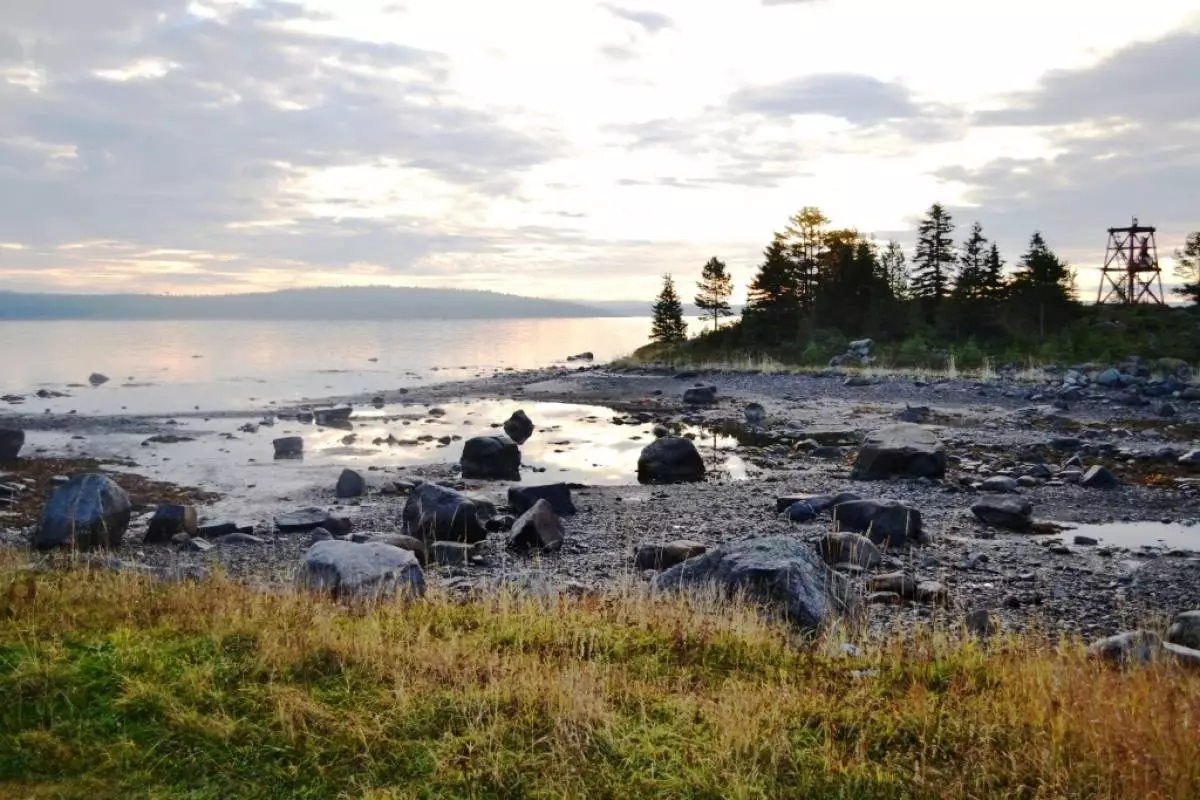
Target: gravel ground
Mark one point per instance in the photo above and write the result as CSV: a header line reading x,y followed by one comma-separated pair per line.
x,y
998,427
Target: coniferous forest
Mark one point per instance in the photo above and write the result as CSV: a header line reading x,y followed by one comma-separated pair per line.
x,y
954,296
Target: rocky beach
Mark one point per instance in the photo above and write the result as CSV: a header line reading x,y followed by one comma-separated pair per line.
x,y
1056,500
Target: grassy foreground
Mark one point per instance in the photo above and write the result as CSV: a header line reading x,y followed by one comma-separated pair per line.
x,y
113,687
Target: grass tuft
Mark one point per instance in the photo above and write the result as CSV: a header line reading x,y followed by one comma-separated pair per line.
x,y
113,686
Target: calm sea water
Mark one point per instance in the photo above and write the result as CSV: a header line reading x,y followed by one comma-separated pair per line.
x,y
164,367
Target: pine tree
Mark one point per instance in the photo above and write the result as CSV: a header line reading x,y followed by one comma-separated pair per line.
x,y
807,241
668,326
894,266
715,289
1044,284
933,264
993,275
774,295
1187,267
972,268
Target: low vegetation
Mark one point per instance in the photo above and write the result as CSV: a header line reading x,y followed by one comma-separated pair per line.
x,y
116,687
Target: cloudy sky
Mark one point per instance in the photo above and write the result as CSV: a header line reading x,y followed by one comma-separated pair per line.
x,y
570,148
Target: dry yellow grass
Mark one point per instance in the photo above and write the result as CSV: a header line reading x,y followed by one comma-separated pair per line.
x,y
116,687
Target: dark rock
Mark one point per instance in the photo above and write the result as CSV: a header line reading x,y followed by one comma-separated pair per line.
x,y
289,446
88,511
586,356
897,583
451,554
665,556
915,414
409,543
1013,513
1099,477
519,427
11,442
885,522
537,527
932,592
1185,630
332,417
304,520
700,396
522,498
981,623
501,523
239,539
849,548
365,571
318,535
169,520
801,511
884,599
756,415
96,378
1086,541
903,450
437,513
350,484
999,484
778,570
818,502
491,458
1166,410
671,459
1109,378
215,529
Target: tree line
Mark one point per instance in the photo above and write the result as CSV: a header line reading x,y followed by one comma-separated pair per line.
x,y
817,278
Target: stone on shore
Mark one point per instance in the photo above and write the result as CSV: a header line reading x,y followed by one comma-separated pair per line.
x,y
363,571
438,513
1185,630
289,446
409,543
11,442
1131,647
350,484
779,571
884,522
818,502
1003,511
903,450
522,498
671,459
700,396
849,548
491,458
88,511
303,521
1099,477
170,520
665,556
537,527
519,427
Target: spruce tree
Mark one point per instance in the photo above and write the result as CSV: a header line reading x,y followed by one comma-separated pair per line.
x,y
972,267
894,267
774,294
715,289
668,326
1187,267
993,275
1044,285
807,243
933,264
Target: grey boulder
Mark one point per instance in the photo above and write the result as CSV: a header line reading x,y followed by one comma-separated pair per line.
x,y
350,484
849,548
1002,511
437,513
1185,630
289,446
904,450
88,511
537,527
363,571
700,396
780,572
1099,477
884,522
671,459
491,458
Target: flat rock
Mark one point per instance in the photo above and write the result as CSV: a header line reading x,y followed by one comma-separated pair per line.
x,y
303,520
558,495
169,520
665,556
849,548
779,571
365,571
903,450
897,583
1131,647
1003,511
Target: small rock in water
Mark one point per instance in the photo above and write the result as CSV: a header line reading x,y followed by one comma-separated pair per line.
x,y
671,459
491,458
96,378
1086,541
289,447
519,427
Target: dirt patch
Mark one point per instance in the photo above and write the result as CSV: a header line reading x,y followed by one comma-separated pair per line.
x,y
36,474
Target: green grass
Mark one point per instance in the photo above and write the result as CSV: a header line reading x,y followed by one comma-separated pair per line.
x,y
111,686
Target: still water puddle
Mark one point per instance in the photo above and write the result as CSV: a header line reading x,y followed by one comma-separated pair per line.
x,y
574,443
1134,535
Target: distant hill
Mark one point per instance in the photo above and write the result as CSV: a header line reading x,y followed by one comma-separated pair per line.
x,y
373,303
635,308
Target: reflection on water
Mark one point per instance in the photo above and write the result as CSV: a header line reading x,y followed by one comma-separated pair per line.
x,y
1133,535
171,367
574,443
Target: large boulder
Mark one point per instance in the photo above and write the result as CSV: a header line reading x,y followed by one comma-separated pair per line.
x,y
537,527
491,458
365,571
558,495
351,484
884,522
849,548
170,520
665,556
437,513
671,459
11,442
904,450
1185,630
519,427
88,511
1002,511
779,571
700,396
1131,647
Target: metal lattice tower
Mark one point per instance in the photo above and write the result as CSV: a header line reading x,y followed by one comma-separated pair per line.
x,y
1131,273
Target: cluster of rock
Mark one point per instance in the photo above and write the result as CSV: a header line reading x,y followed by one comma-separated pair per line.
x,y
1181,644
858,353
1136,382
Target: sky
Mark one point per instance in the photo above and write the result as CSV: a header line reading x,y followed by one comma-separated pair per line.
x,y
569,148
